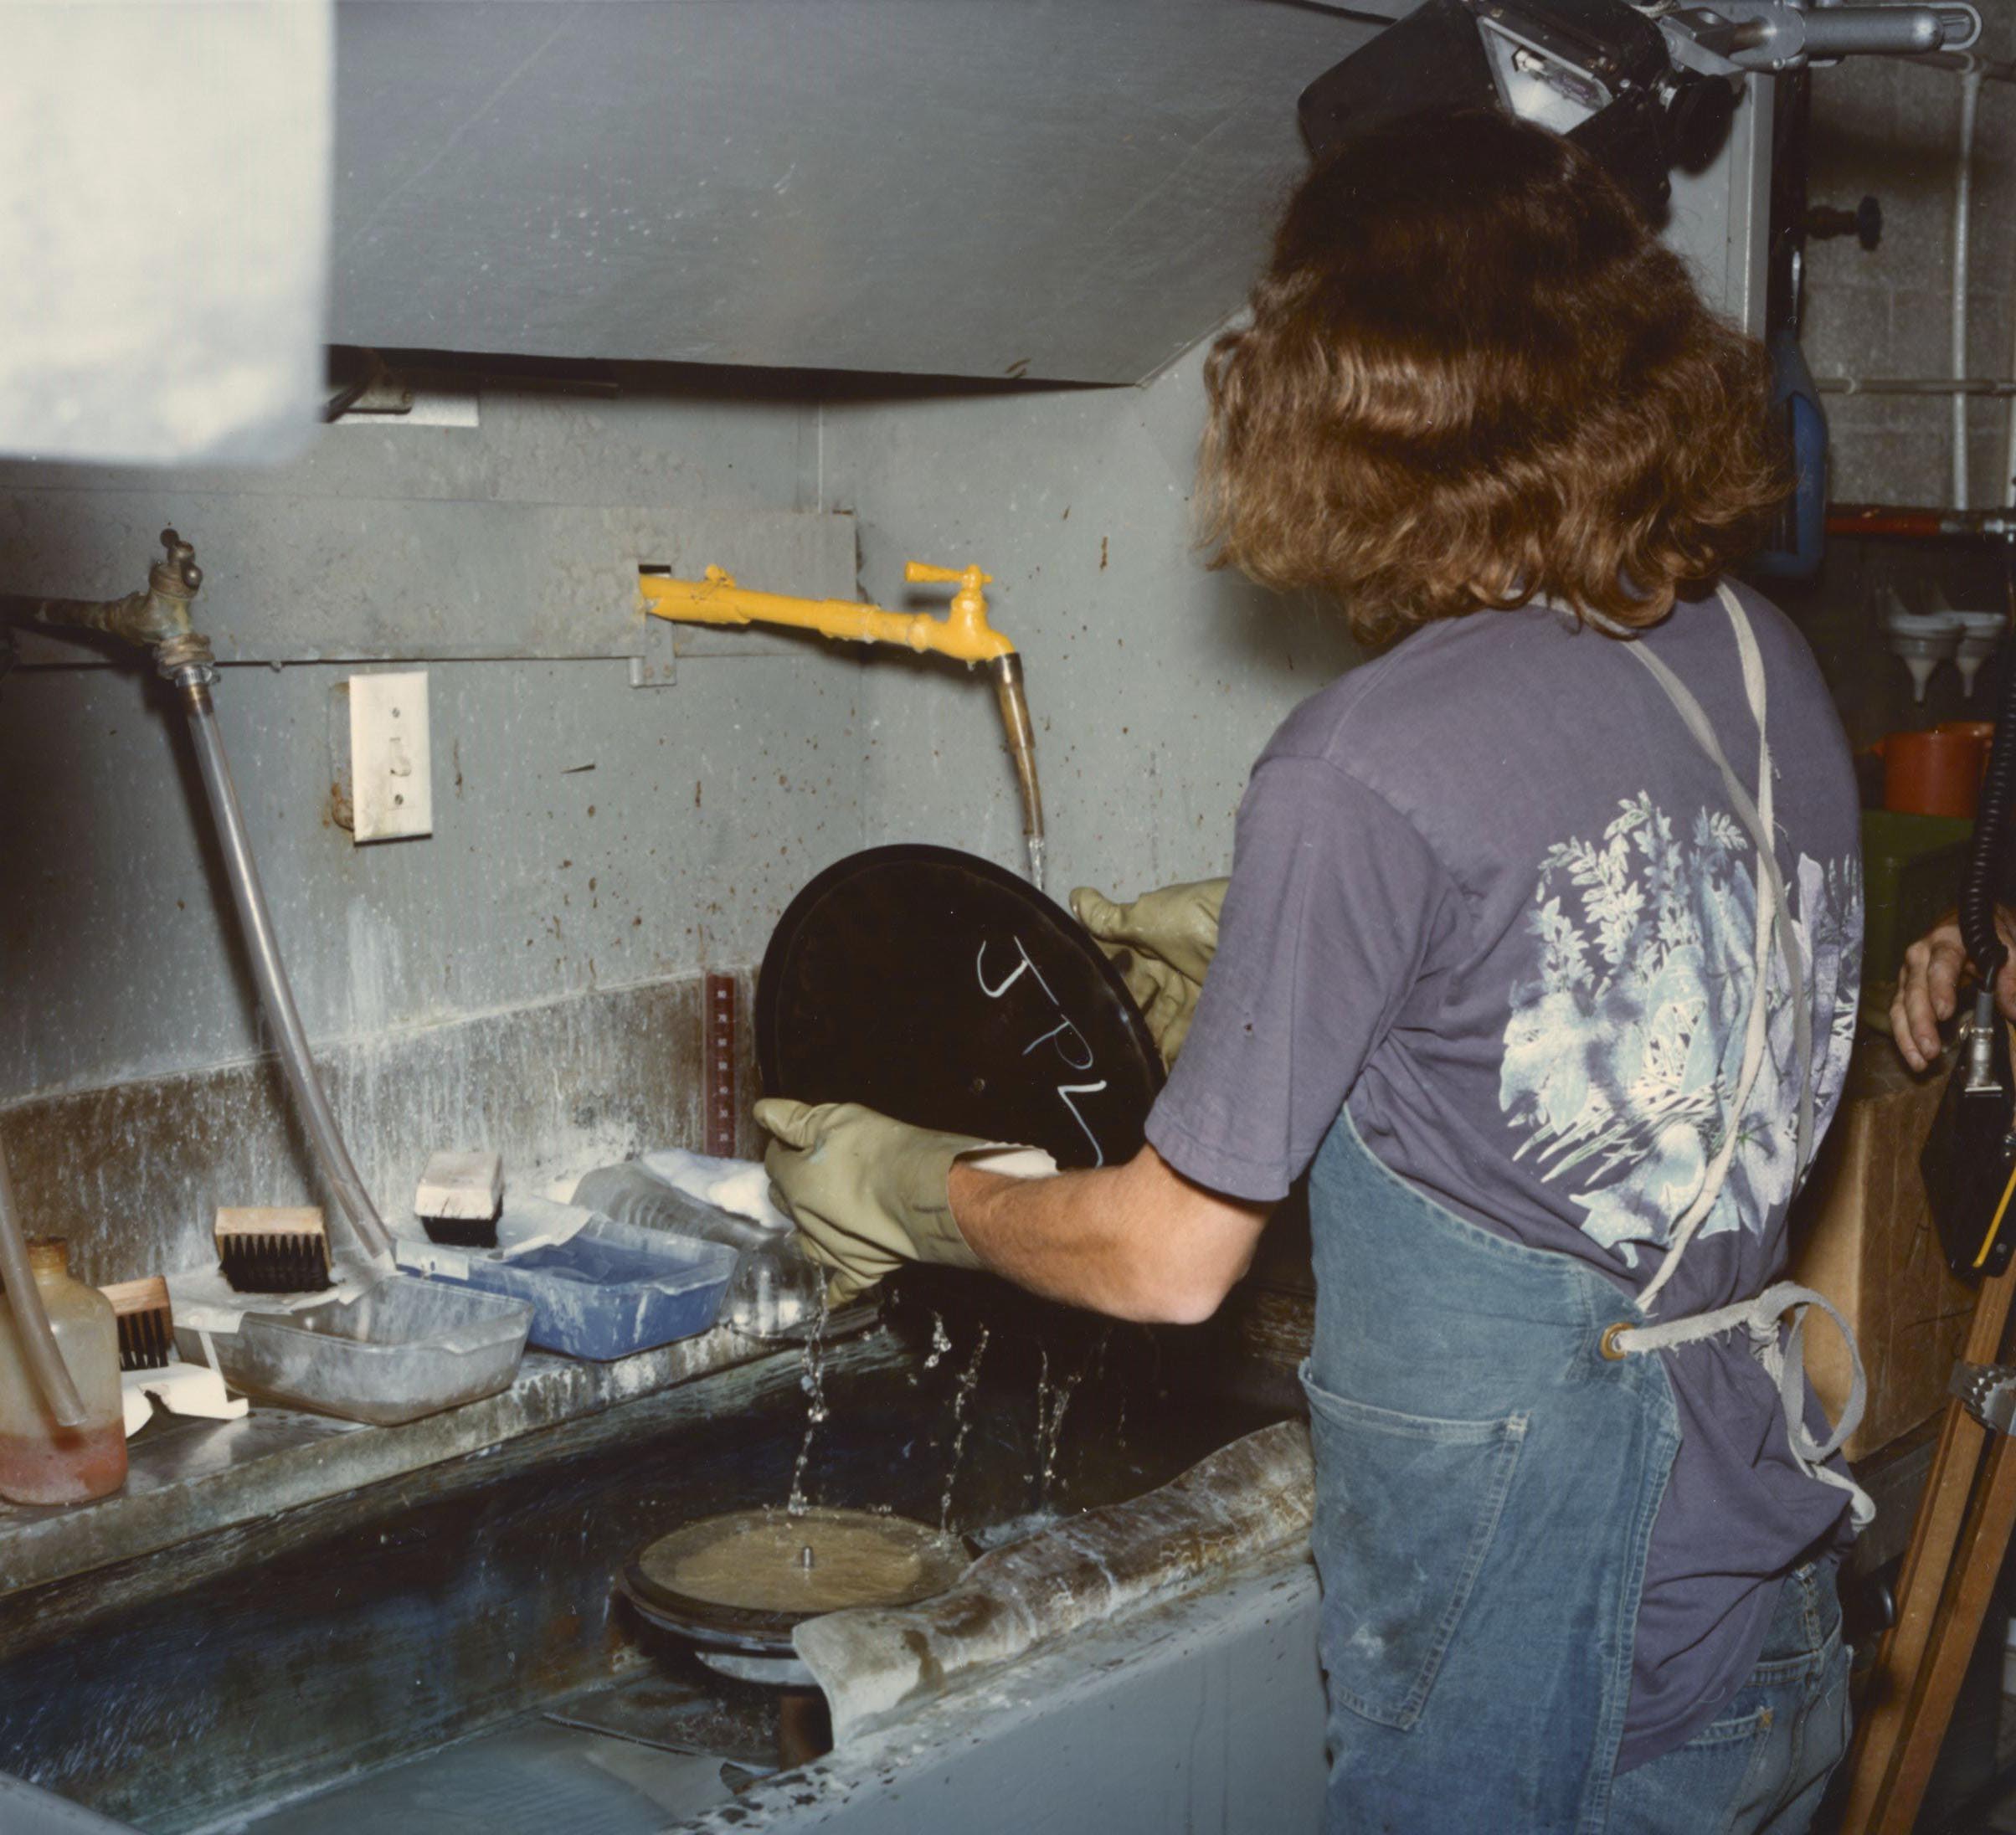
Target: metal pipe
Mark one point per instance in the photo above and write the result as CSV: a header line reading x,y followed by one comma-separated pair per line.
x,y
1963,203
1878,31
2008,451
963,633
275,996
1916,523
157,616
1013,698
1991,70
31,1321
1916,385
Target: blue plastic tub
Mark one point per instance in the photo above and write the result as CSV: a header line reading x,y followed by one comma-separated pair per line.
x,y
608,1291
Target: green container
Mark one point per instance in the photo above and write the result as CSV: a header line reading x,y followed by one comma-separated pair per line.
x,y
1911,868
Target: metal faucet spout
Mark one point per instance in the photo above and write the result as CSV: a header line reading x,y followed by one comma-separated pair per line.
x,y
1014,699
156,619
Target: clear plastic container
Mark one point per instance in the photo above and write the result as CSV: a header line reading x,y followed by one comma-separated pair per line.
x,y
609,1290
40,1461
403,1348
628,1194
775,1292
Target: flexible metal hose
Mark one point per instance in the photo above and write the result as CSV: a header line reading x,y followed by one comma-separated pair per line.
x,y
275,996
38,1341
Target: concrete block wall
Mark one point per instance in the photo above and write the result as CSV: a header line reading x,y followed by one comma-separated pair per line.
x,y
527,975
1890,129
586,834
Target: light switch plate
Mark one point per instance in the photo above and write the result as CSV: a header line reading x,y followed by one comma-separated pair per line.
x,y
391,778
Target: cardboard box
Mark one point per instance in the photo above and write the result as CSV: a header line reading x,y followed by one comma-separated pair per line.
x,y
1863,1236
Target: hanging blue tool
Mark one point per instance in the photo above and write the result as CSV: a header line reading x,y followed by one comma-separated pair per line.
x,y
1798,536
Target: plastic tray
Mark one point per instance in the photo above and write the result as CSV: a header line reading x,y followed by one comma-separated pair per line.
x,y
609,1290
401,1349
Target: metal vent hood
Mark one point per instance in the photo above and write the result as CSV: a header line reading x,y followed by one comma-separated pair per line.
x,y
1067,189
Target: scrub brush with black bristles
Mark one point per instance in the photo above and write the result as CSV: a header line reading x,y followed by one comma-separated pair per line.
x,y
274,1250
459,1197
146,1324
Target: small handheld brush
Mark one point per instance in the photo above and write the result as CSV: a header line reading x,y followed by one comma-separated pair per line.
x,y
146,1323
273,1249
459,1197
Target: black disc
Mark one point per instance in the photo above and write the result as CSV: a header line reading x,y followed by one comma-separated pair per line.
x,y
941,990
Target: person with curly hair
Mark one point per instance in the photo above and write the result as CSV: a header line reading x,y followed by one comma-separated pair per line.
x,y
1540,958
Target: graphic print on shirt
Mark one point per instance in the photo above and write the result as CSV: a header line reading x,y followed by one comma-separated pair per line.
x,y
1623,1052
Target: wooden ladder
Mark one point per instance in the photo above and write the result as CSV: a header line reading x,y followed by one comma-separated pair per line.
x,y
1958,1539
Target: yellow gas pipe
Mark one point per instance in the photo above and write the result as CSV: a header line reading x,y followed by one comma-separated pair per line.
x,y
963,633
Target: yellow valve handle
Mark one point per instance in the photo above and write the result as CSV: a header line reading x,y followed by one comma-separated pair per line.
x,y
963,633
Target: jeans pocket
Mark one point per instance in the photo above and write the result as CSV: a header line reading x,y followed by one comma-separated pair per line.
x,y
1406,1510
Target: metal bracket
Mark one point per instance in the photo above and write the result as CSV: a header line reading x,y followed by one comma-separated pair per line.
x,y
1989,1390
655,671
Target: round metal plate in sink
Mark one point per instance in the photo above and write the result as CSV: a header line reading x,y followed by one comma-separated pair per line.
x,y
941,990
741,1582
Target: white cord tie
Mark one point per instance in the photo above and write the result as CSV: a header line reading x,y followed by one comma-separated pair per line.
x,y
1783,1356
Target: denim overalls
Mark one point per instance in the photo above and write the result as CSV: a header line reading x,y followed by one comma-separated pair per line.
x,y
1493,1443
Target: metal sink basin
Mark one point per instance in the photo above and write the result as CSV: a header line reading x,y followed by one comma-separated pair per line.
x,y
476,1597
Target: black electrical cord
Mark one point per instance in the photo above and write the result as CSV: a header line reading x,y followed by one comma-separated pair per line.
x,y
1983,879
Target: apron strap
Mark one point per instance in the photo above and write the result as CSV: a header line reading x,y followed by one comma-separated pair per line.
x,y
1781,1353
1783,1357
1774,921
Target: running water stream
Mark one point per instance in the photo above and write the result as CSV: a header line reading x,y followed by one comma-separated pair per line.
x,y
812,1381
1051,1404
961,1425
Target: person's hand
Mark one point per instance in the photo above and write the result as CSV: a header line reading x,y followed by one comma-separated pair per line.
x,y
1162,943
868,1194
1928,988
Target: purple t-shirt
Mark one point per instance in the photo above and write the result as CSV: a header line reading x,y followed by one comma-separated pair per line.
x,y
1488,890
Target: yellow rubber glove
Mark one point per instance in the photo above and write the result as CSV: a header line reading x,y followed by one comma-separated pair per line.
x,y
1162,943
869,1193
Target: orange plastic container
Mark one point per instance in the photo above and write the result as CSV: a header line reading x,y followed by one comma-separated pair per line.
x,y
1937,773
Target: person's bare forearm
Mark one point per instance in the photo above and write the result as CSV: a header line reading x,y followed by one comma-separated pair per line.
x,y
1137,1241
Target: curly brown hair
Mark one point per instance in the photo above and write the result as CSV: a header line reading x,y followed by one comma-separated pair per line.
x,y
1474,377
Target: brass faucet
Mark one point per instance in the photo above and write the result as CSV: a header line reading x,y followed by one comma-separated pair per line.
x,y
156,619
